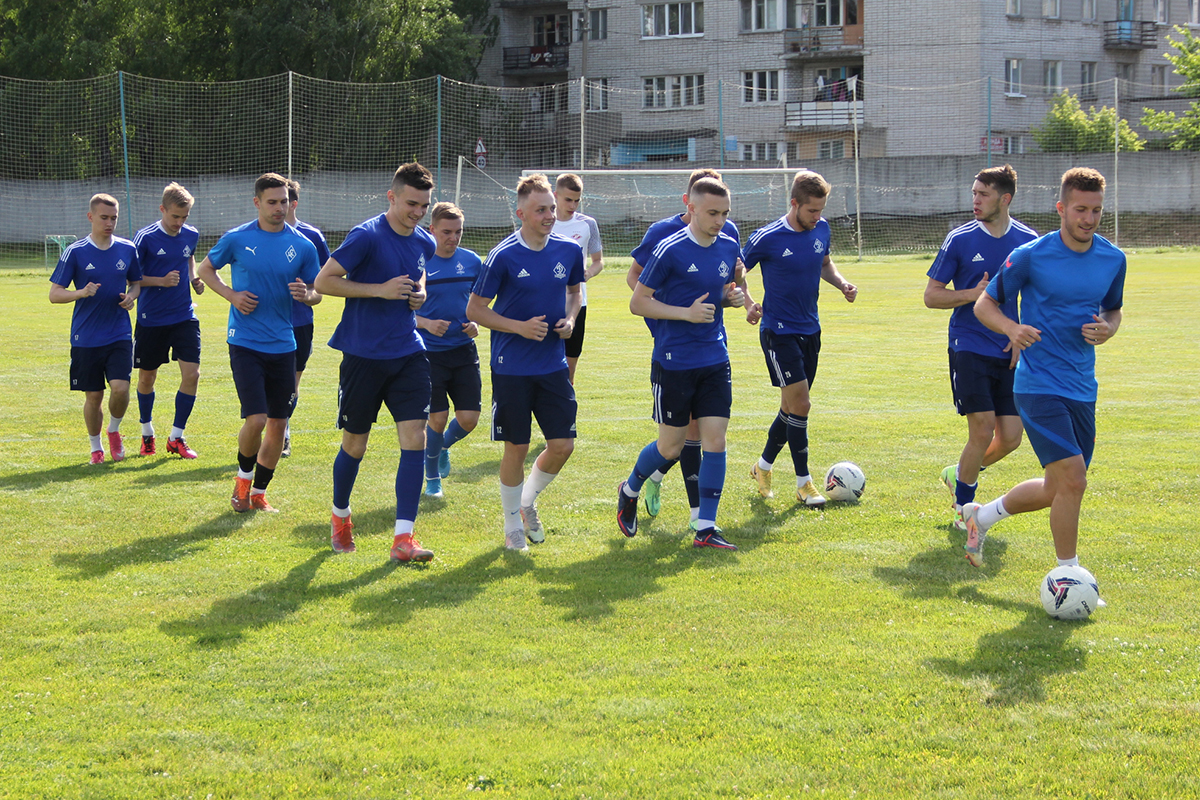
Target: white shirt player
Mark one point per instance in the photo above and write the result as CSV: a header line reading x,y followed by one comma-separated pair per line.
x,y
584,231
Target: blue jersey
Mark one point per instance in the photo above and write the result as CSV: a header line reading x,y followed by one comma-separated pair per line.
x,y
968,252
791,274
530,283
159,253
681,270
98,320
264,263
302,313
448,283
373,327
1060,290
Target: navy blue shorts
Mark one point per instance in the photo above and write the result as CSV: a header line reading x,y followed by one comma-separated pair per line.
x,y
791,357
364,384
681,395
92,367
265,382
155,345
550,398
982,383
454,376
304,345
575,343
1058,427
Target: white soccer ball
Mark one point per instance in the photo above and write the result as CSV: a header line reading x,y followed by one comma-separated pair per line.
x,y
1070,593
845,481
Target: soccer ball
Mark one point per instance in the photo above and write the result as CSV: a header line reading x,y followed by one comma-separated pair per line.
x,y
1070,593
845,481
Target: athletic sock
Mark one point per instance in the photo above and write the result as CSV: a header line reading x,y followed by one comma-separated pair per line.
x,y
797,439
510,502
183,409
246,464
777,437
763,466
1073,561
964,492
712,481
690,462
147,429
114,424
433,451
404,526
662,471
345,473
146,411
649,461
535,484
176,433
95,440
408,483
262,478
454,432
992,513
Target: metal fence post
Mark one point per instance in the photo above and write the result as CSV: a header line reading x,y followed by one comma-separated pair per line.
x,y
125,151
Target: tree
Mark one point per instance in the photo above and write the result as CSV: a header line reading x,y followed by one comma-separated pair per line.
x,y
1183,131
1067,128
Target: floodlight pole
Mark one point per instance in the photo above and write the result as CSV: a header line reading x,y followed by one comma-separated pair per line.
x,y
289,124
853,80
439,141
583,71
125,151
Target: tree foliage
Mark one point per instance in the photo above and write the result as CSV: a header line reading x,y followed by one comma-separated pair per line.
x,y
221,40
1183,130
1067,128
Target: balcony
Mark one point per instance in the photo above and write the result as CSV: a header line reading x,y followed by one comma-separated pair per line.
x,y
1130,34
813,43
550,58
823,114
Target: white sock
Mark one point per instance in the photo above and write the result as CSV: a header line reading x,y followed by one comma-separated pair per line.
x,y
535,484
114,424
510,501
255,490
404,526
703,524
95,440
1073,561
176,433
695,514
147,429
246,476
992,513
341,512
764,465
657,477
625,490
802,479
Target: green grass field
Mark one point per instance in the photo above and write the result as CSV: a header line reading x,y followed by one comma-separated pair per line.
x,y
157,645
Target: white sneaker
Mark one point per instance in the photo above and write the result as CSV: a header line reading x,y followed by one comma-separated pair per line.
x,y
516,541
533,524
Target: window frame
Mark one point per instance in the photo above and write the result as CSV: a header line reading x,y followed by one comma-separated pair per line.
x,y
1052,81
656,19
1012,77
770,95
672,92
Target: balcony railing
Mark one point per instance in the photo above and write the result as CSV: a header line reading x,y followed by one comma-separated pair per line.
x,y
817,42
550,58
823,114
1130,34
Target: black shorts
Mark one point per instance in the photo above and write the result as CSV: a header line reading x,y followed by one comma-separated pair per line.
x,y
304,346
982,383
155,345
550,398
575,343
454,376
92,367
265,382
365,384
791,357
681,395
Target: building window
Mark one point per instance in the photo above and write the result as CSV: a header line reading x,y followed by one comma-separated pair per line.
x,y
597,94
673,19
1087,80
596,28
673,91
1013,145
549,97
1089,9
831,148
1193,17
760,15
1160,12
1013,8
760,151
1052,9
827,13
1012,76
1158,79
551,29
1052,76
1125,72
761,86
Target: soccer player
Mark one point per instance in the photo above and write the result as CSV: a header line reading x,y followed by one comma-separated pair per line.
x,y
107,278
380,269
533,276
1071,286
981,361
450,341
271,264
583,230
794,254
167,327
302,310
682,288
689,458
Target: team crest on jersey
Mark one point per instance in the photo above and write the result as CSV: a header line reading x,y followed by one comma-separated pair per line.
x,y
121,265
459,268
291,253
421,262
723,270
187,251
818,246
560,271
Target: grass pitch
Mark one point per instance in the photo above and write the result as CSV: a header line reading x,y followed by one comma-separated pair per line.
x,y
155,644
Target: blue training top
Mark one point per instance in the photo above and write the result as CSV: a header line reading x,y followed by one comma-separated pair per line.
x,y
302,313
680,271
159,253
264,263
967,253
98,320
529,283
1060,290
448,283
791,273
374,327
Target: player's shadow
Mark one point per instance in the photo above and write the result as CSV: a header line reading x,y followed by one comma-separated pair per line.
x,y
1016,663
454,587
227,621
67,474
151,550
372,529
769,516
935,572
472,473
195,475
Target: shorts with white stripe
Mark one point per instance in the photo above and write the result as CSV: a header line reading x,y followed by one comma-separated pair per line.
x,y
791,357
681,395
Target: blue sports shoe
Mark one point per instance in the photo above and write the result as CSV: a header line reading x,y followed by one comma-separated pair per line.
x,y
433,487
444,463
626,511
710,538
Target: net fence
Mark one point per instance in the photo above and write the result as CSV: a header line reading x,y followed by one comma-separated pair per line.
x,y
900,158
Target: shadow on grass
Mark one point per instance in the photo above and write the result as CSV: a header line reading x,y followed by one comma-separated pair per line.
x,y
195,475
226,623
371,529
936,572
1016,663
152,550
73,472
474,473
